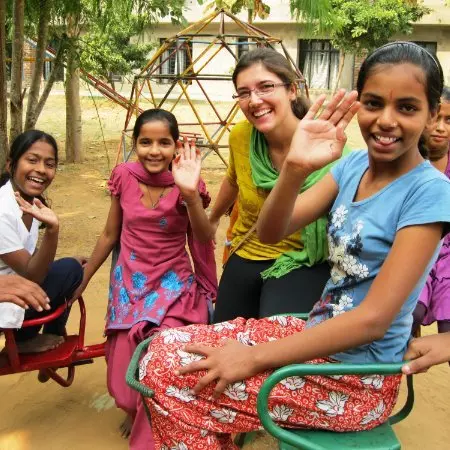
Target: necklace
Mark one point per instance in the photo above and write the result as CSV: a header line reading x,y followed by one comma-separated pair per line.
x,y
155,204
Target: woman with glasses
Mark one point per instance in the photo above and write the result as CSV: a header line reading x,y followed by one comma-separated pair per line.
x,y
260,280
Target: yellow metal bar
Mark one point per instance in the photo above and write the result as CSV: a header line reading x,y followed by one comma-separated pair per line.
x,y
205,131
204,21
176,102
213,55
190,68
151,92
231,116
156,56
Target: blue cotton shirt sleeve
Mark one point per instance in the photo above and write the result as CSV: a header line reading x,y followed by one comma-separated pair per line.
x,y
338,170
429,203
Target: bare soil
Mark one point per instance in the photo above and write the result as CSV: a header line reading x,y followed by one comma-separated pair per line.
x,y
36,416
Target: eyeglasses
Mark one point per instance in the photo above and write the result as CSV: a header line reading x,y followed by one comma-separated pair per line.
x,y
260,91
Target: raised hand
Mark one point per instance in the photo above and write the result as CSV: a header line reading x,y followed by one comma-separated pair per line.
x,y
186,168
39,211
320,141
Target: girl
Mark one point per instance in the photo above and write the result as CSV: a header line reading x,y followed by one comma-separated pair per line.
x,y
153,286
381,202
30,169
434,300
262,279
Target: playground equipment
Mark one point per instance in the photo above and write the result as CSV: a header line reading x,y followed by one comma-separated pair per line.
x,y
181,70
71,353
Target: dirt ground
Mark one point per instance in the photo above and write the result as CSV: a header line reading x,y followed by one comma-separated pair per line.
x,y
35,416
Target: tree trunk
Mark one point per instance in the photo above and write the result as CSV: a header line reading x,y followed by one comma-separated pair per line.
x,y
341,67
3,88
57,64
33,96
16,102
73,107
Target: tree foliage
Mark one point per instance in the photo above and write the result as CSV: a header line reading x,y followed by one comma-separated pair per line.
x,y
357,26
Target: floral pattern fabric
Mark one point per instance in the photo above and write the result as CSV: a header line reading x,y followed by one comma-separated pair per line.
x,y
183,420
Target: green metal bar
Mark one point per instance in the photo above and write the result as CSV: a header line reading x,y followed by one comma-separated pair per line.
x,y
302,370
407,408
133,370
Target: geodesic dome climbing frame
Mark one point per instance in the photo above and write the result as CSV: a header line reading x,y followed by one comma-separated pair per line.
x,y
179,73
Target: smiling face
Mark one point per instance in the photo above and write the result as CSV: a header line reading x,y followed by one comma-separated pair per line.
x,y
35,170
437,134
394,111
155,146
270,111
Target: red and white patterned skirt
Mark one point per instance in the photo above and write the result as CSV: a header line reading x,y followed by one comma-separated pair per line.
x,y
184,421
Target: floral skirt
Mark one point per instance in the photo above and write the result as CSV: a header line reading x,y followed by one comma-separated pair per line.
x,y
184,421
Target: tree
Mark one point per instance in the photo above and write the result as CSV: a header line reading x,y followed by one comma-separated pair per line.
x,y
3,98
359,26
42,42
16,96
307,11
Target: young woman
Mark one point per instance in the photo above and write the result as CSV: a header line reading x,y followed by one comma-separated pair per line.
x,y
381,203
30,169
157,205
262,279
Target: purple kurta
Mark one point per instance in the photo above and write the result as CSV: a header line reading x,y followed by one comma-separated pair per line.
x,y
436,293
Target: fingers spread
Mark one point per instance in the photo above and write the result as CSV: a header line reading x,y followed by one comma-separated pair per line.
x,y
199,349
330,109
204,381
341,109
38,203
315,107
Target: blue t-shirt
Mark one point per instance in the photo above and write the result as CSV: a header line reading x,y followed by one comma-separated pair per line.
x,y
360,236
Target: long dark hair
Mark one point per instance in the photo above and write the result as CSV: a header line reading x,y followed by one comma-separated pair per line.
x,y
401,52
277,64
20,145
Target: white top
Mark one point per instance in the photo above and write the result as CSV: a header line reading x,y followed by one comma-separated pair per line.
x,y
13,236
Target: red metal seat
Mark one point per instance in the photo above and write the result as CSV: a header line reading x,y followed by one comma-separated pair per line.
x,y
70,353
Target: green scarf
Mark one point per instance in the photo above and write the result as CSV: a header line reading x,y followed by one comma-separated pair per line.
x,y
313,236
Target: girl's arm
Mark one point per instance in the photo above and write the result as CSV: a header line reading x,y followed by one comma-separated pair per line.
x,y
35,267
186,169
366,323
315,144
104,245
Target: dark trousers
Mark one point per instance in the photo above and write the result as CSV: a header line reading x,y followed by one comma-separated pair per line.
x,y
243,293
63,277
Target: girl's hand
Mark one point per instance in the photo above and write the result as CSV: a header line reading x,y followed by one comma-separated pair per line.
x,y
425,352
83,260
39,211
320,141
227,364
23,292
81,288
186,168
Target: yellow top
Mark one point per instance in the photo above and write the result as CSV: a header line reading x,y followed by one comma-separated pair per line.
x,y
250,201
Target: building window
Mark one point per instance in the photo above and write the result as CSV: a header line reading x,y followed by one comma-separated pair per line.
x,y
430,46
319,62
175,62
243,46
